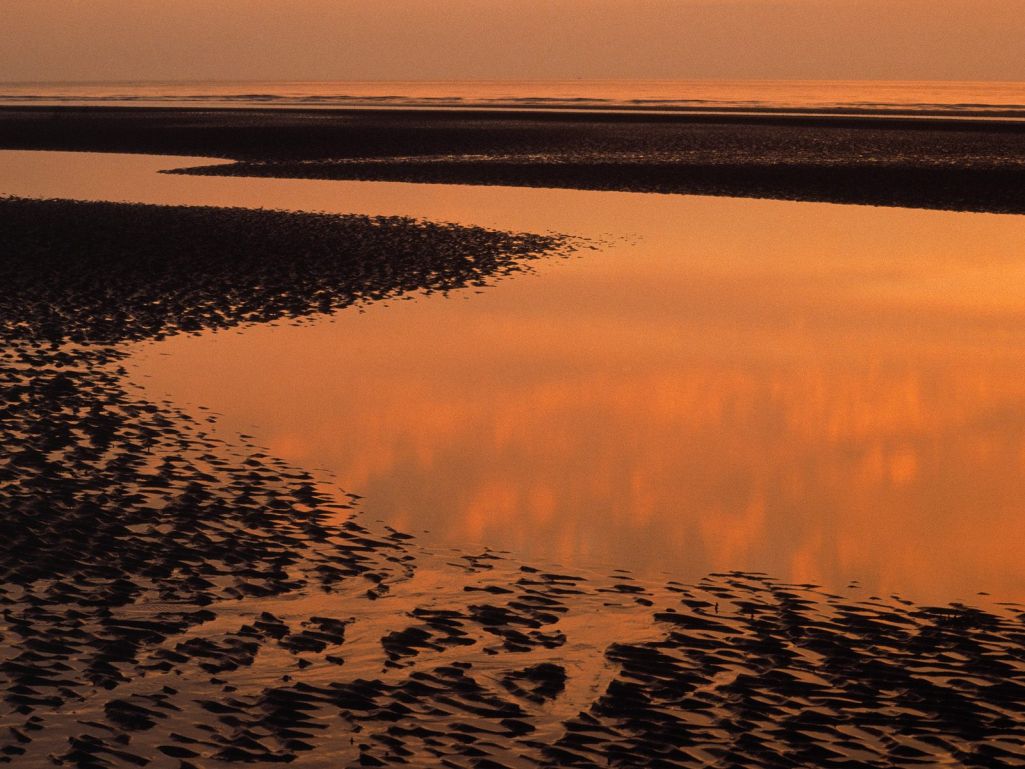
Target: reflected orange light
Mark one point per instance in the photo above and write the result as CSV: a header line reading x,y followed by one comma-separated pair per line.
x,y
823,393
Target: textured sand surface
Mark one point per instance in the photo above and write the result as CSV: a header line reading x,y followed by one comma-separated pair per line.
x,y
946,164
170,599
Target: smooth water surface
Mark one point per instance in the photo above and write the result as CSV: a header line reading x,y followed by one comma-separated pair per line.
x,y
825,393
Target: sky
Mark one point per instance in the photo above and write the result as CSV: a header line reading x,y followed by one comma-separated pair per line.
x,y
510,39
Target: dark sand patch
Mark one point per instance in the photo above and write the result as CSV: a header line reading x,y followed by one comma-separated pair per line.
x,y
945,164
108,272
172,600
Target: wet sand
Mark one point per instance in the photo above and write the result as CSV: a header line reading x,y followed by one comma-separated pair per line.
x,y
172,600
951,164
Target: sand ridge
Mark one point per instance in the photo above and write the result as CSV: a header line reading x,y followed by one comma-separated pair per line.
x,y
958,165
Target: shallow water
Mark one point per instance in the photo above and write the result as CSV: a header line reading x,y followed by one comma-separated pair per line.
x,y
824,393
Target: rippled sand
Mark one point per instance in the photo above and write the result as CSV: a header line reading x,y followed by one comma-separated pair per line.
x,y
169,599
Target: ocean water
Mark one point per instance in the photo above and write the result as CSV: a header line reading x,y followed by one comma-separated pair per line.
x,y
1005,100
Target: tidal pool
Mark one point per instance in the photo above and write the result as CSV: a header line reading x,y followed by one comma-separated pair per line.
x,y
824,393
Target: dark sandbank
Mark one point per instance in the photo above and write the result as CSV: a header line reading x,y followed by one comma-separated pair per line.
x,y
966,165
172,600
108,272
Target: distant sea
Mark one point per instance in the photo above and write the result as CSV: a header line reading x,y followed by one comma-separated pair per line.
x,y
933,98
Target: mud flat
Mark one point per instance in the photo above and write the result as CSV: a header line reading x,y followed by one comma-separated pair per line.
x,y
173,600
953,164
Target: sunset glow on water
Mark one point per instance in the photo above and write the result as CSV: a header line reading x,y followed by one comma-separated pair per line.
x,y
802,389
521,385
826,393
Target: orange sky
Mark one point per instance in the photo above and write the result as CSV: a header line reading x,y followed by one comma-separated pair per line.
x,y
467,39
